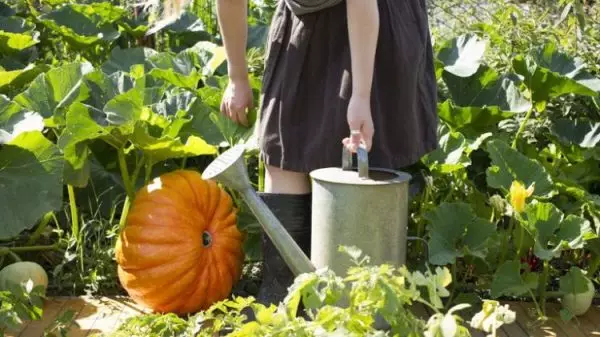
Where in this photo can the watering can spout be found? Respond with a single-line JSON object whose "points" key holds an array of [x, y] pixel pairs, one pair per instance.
{"points": [[230, 169]]}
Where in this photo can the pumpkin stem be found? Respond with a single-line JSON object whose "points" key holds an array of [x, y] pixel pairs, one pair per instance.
{"points": [[206, 239]]}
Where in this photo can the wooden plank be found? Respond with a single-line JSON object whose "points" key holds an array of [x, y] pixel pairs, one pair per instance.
{"points": [[533, 327], [129, 309], [571, 328], [514, 329], [108, 317], [87, 317], [52, 308], [589, 322]]}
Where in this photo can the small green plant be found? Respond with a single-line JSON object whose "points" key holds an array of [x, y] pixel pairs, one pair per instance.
{"points": [[371, 300], [20, 302]]}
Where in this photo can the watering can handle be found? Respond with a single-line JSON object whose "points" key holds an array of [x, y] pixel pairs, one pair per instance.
{"points": [[362, 158]]}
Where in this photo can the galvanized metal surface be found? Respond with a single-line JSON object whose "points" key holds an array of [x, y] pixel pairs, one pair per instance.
{"points": [[370, 213], [230, 169]]}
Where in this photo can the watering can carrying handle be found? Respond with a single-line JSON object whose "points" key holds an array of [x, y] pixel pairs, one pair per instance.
{"points": [[362, 158]]}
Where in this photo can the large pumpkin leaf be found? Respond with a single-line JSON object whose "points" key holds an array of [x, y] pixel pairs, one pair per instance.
{"points": [[581, 132], [51, 93], [211, 96], [6, 10], [206, 55], [98, 88], [509, 165], [462, 55], [453, 150], [16, 35], [124, 59], [13, 80], [481, 100], [549, 73], [158, 149], [31, 170], [80, 25], [201, 124], [15, 120], [508, 280], [487, 88], [578, 138], [553, 232], [455, 231], [178, 70], [574, 282]]}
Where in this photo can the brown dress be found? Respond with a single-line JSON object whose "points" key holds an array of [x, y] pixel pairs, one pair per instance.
{"points": [[307, 86]]}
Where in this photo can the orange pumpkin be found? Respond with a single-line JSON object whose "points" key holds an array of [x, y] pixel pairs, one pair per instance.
{"points": [[181, 250]]}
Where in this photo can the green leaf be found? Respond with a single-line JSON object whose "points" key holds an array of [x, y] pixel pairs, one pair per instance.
{"points": [[80, 25], [163, 148], [462, 55], [553, 232], [206, 55], [79, 127], [509, 165], [179, 70], [508, 281], [487, 89], [16, 35], [581, 132], [549, 73], [13, 80], [456, 231], [14, 120], [211, 95], [6, 10], [202, 124], [574, 282], [51, 93], [99, 88], [453, 151], [123, 59], [125, 108], [31, 185]]}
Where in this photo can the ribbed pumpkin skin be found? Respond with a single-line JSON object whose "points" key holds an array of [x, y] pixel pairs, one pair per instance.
{"points": [[162, 261]]}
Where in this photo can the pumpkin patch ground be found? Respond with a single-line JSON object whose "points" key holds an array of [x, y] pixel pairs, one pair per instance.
{"points": [[105, 130]]}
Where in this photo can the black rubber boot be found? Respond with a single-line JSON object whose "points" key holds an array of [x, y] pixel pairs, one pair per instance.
{"points": [[294, 213]]}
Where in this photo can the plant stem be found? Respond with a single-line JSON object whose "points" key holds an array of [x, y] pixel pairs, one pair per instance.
{"points": [[455, 281], [14, 256], [511, 225], [520, 242], [125, 173], [522, 126], [537, 306], [148, 171], [261, 174], [124, 213], [11, 251], [542, 286], [40, 229], [74, 213], [32, 248], [420, 226]]}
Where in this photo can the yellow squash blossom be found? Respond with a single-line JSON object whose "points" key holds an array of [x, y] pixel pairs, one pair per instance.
{"points": [[518, 195]]}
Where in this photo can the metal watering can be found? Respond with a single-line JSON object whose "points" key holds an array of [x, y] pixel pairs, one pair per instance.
{"points": [[367, 209]]}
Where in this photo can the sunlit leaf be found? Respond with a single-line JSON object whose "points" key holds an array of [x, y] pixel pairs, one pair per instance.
{"points": [[509, 165], [31, 184], [455, 231]]}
